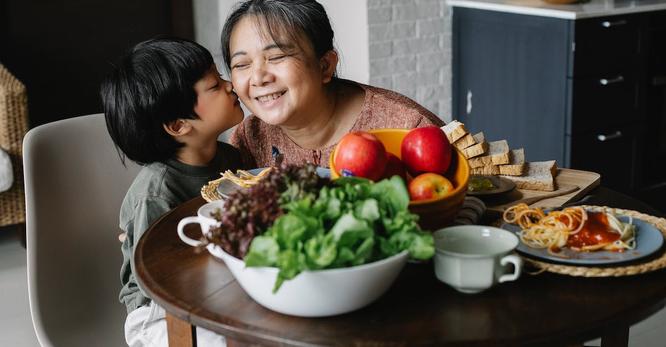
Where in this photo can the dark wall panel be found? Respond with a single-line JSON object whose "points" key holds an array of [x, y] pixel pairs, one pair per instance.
{"points": [[62, 49]]}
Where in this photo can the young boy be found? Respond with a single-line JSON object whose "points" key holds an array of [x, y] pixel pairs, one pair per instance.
{"points": [[165, 106]]}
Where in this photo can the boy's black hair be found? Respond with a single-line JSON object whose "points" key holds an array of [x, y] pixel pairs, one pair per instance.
{"points": [[152, 85], [284, 17]]}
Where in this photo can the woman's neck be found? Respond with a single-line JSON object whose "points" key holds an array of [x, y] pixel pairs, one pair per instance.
{"points": [[325, 125]]}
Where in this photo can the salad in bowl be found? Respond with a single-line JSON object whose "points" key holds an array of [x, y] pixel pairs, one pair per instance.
{"points": [[301, 244]]}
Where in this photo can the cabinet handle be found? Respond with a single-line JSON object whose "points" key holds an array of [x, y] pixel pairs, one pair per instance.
{"points": [[607, 81], [608, 24], [613, 136], [659, 81]]}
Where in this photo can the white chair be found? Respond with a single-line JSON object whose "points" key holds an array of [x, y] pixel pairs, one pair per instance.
{"points": [[74, 184]]}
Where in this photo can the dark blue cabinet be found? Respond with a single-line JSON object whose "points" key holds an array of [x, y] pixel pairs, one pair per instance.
{"points": [[577, 91], [510, 79]]}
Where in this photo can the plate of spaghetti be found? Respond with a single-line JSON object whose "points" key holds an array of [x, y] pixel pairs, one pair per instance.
{"points": [[581, 236]]}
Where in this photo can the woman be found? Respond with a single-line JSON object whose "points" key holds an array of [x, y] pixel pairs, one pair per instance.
{"points": [[282, 62]]}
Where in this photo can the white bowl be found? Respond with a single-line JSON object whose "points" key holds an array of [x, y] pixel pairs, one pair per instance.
{"points": [[316, 293]]}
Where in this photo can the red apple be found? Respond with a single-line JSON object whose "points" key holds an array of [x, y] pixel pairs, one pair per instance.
{"points": [[426, 150], [429, 186], [360, 154], [395, 166]]}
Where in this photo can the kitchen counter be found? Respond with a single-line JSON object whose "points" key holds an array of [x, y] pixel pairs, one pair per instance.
{"points": [[583, 9]]}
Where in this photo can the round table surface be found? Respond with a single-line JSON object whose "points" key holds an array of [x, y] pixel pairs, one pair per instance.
{"points": [[543, 309]]}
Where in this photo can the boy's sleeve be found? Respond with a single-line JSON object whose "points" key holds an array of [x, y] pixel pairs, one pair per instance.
{"points": [[139, 218], [146, 212]]}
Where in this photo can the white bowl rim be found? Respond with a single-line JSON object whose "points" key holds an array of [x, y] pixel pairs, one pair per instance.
{"points": [[377, 263]]}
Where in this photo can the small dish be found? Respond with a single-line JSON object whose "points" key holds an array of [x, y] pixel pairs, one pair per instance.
{"points": [[500, 184], [226, 187]]}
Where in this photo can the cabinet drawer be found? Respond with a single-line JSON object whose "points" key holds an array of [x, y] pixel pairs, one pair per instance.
{"points": [[606, 45], [610, 151], [604, 100], [657, 19]]}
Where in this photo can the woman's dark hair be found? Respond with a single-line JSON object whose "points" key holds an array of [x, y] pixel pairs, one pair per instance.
{"points": [[284, 17], [152, 85]]}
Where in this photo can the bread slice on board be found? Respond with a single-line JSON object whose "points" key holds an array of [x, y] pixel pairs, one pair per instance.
{"points": [[454, 131], [540, 175], [488, 170], [498, 153], [464, 142], [480, 148], [516, 165]]}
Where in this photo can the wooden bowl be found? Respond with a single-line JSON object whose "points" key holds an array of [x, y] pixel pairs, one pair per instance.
{"points": [[433, 213]]}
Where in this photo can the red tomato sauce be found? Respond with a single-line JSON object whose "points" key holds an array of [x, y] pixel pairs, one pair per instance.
{"points": [[595, 231]]}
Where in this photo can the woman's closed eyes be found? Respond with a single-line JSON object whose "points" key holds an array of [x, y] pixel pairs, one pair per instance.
{"points": [[271, 59], [277, 58], [239, 66]]}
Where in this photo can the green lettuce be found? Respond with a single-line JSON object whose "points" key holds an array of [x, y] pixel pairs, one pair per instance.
{"points": [[353, 221]]}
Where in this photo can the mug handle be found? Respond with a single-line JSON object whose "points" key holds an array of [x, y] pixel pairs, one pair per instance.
{"points": [[517, 266], [181, 230]]}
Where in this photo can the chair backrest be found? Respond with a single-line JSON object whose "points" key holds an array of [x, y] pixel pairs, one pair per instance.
{"points": [[75, 184]]}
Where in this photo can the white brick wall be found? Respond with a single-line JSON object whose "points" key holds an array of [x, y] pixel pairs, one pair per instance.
{"points": [[410, 50]]}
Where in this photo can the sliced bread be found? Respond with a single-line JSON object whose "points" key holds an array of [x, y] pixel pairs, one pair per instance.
{"points": [[540, 175], [488, 170], [498, 154], [516, 165], [480, 148], [464, 142], [454, 131]]}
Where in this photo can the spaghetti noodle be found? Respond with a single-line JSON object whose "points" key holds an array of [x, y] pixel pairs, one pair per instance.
{"points": [[243, 178], [572, 227]]}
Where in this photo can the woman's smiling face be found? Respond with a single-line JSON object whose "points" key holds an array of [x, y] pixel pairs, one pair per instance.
{"points": [[280, 82]]}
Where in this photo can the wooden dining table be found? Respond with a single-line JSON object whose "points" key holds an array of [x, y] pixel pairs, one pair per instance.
{"points": [[546, 309]]}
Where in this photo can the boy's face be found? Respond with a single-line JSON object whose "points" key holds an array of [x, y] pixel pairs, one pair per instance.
{"points": [[217, 105]]}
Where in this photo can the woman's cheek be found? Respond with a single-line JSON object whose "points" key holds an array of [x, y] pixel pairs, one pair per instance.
{"points": [[239, 80], [242, 92]]}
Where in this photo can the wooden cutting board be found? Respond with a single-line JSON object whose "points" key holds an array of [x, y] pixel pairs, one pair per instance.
{"points": [[566, 178]]}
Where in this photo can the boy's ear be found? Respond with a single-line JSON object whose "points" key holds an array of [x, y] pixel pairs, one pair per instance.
{"points": [[178, 127], [329, 63]]}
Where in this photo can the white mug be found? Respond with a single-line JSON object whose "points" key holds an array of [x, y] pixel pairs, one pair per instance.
{"points": [[473, 258], [204, 218]]}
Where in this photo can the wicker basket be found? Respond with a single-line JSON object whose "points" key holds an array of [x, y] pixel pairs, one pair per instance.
{"points": [[13, 126]]}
